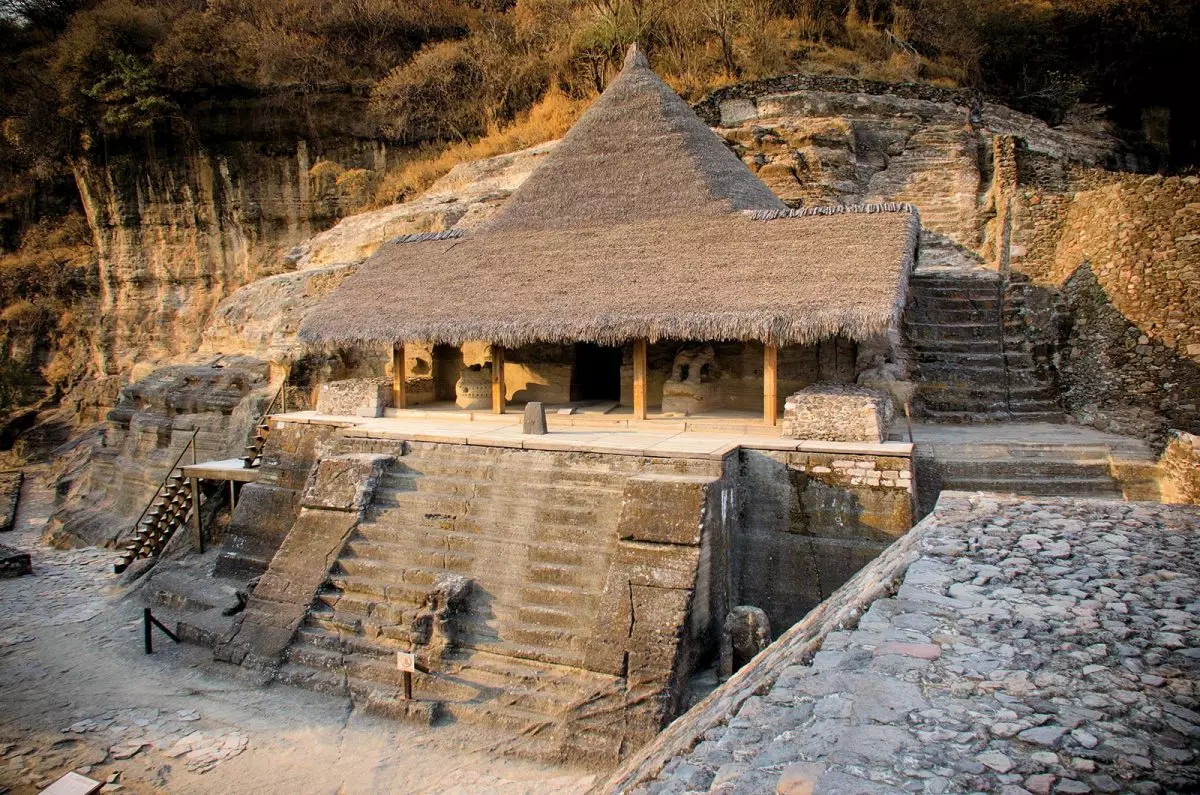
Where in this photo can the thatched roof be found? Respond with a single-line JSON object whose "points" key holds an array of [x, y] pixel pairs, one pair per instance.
{"points": [[638, 152], [640, 224]]}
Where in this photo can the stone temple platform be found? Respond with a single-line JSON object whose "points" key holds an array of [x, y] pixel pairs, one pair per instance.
{"points": [[704, 437], [1008, 644]]}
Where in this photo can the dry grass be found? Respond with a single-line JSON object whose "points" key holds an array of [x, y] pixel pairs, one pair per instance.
{"points": [[548, 119]]}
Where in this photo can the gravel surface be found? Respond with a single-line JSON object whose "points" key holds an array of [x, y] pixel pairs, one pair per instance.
{"points": [[78, 693]]}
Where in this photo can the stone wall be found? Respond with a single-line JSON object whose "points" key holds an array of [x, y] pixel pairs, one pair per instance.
{"points": [[1123, 253], [809, 521], [1180, 467], [838, 413]]}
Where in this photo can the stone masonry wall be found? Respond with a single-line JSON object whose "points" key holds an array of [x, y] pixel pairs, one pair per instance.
{"points": [[809, 521], [1124, 252], [1180, 465]]}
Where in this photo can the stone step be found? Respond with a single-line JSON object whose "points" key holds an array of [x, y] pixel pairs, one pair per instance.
{"points": [[987, 391], [550, 527], [952, 372], [556, 506], [936, 313], [1016, 360], [477, 468], [550, 543], [967, 469], [408, 588], [927, 348], [574, 493], [955, 417], [1040, 487], [367, 696], [919, 332]]}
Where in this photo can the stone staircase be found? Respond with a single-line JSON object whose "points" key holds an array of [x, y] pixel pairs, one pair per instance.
{"points": [[536, 540], [1035, 460], [966, 335]]}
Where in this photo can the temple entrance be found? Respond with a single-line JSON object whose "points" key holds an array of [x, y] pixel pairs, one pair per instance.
{"points": [[597, 373]]}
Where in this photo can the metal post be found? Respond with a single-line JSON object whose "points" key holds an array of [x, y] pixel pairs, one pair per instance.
{"points": [[196, 513], [149, 641], [407, 686]]}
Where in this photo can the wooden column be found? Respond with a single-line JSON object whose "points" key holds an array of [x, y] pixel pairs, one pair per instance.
{"points": [[399, 398], [497, 379], [770, 388], [197, 522], [639, 379]]}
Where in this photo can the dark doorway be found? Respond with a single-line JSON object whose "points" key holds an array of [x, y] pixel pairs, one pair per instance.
{"points": [[447, 365], [597, 373]]}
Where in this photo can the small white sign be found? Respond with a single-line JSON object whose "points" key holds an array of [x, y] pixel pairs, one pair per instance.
{"points": [[406, 661]]}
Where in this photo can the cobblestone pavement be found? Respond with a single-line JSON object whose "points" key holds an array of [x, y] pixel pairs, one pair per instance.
{"points": [[77, 693], [1038, 645]]}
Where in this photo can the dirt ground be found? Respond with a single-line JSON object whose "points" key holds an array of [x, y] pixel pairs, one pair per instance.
{"points": [[77, 692]]}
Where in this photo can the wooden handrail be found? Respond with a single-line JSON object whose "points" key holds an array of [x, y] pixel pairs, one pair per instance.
{"points": [[190, 444]]}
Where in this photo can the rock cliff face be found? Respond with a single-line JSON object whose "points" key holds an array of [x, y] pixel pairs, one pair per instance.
{"points": [[177, 233]]}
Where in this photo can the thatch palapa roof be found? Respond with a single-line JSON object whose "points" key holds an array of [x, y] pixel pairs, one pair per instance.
{"points": [[640, 224]]}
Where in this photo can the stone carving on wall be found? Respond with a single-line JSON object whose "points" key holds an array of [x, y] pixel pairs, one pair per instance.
{"points": [[746, 632], [474, 387], [433, 625], [691, 389]]}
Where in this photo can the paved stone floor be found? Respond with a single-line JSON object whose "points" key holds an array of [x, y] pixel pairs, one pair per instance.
{"points": [[78, 693], [1036, 645]]}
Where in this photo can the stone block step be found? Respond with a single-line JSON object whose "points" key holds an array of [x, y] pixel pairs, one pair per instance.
{"points": [[370, 697], [987, 391], [379, 670], [548, 543], [554, 506], [971, 417], [1038, 487], [982, 330], [935, 348], [547, 528], [569, 492], [952, 372], [933, 312], [1030, 467]]}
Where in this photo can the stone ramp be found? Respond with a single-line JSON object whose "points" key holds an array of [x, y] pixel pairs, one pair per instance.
{"points": [[1031, 645]]}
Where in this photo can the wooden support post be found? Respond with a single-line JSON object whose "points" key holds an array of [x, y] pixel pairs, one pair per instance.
{"points": [[770, 385], [197, 521], [232, 495], [639, 379], [399, 398], [497, 379]]}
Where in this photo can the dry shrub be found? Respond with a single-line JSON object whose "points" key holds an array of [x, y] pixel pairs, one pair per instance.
{"points": [[548, 119]]}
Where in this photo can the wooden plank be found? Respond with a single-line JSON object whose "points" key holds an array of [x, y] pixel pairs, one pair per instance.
{"points": [[498, 379], [399, 398], [770, 385], [639, 379]]}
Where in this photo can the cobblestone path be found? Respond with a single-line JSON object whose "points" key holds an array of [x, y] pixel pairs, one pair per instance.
{"points": [[1037, 645]]}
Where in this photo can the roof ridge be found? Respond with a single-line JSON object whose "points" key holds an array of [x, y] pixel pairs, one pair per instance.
{"points": [[425, 237], [832, 209]]}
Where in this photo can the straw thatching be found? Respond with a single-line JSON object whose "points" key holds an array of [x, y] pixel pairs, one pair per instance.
{"points": [[641, 224], [638, 152]]}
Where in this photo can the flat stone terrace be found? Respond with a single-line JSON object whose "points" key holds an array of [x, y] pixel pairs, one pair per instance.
{"points": [[675, 438], [1038, 645]]}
